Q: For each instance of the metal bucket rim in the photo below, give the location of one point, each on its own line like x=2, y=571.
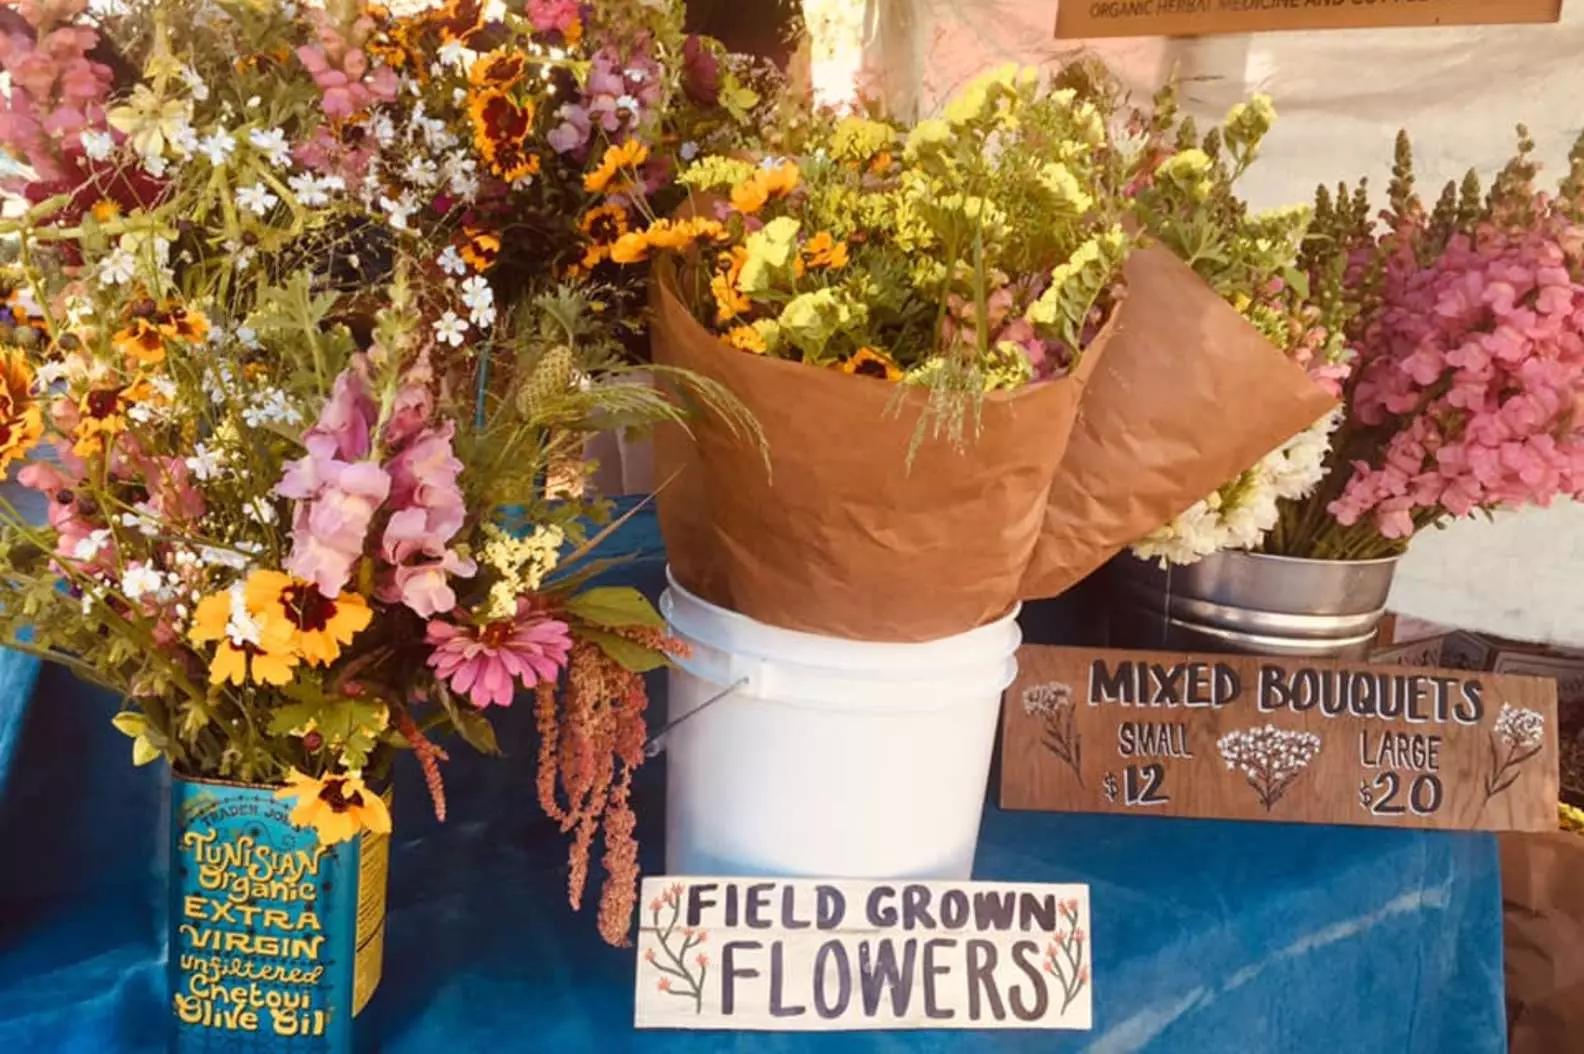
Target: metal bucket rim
x=1310, y=560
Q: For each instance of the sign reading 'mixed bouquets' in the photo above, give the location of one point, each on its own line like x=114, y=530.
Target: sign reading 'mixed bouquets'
x=1139, y=18
x=1299, y=740
x=806, y=955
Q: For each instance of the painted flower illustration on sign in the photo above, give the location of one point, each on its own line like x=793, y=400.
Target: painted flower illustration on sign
x=1517, y=737
x=1270, y=758
x=682, y=967
x=1053, y=703
x=1066, y=957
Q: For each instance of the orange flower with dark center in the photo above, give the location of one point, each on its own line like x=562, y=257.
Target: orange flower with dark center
x=481, y=249
x=182, y=324
x=141, y=341
x=631, y=248
x=501, y=129
x=500, y=70
x=458, y=20
x=764, y=186
x=729, y=300
x=868, y=362
x=823, y=250
x=320, y=626
x=102, y=412
x=603, y=227
x=21, y=421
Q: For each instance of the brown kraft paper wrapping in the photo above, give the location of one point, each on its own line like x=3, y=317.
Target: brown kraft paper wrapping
x=1188, y=396
x=1543, y=916
x=839, y=537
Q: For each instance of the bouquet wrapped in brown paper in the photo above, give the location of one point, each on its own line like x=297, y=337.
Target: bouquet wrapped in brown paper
x=1543, y=915
x=972, y=300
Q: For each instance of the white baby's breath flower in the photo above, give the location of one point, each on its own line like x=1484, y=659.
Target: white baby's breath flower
x=98, y=145
x=118, y=268
x=206, y=463
x=256, y=198
x=272, y=144
x=310, y=190
x=88, y=547
x=195, y=84
x=449, y=329
x=184, y=140
x=451, y=261
x=627, y=102
x=217, y=146
x=399, y=210
x=155, y=165
x=261, y=510
x=421, y=171
x=141, y=581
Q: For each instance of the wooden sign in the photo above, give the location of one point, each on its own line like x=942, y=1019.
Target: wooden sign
x=802, y=955
x=1146, y=18
x=1296, y=740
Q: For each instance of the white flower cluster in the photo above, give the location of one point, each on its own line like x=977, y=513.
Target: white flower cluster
x=265, y=404
x=1240, y=514
x=1520, y=728
x=1269, y=753
x=1044, y=699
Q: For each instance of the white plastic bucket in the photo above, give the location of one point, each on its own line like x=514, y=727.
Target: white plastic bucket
x=831, y=758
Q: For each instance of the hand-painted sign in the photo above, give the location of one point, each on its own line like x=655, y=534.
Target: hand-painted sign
x=1145, y=18
x=805, y=955
x=1306, y=741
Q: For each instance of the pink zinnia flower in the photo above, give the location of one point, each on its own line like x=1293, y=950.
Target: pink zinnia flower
x=483, y=662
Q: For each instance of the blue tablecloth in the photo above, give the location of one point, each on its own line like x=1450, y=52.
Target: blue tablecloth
x=1210, y=937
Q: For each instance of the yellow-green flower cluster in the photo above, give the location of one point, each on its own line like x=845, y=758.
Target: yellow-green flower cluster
x=520, y=564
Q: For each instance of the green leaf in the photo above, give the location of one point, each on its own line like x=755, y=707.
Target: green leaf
x=475, y=728
x=634, y=657
x=129, y=723
x=294, y=715
x=143, y=752
x=615, y=606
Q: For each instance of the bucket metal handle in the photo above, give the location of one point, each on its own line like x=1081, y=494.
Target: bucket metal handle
x=656, y=744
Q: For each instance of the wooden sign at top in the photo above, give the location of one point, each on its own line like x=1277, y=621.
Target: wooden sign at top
x=1295, y=740
x=1189, y=18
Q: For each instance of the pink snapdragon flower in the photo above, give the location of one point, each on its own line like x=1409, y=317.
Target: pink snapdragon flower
x=429, y=513
x=340, y=67
x=336, y=489
x=1474, y=368
x=486, y=662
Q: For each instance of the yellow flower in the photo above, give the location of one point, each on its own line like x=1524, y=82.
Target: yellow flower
x=1572, y=819
x=21, y=421
x=859, y=139
x=747, y=338
x=631, y=248
x=105, y=210
x=707, y=173
x=147, y=121
x=822, y=250
x=502, y=130
x=870, y=362
x=338, y=808
x=252, y=644
x=926, y=134
x=625, y=156
x=764, y=186
x=729, y=300
x=1063, y=186
x=320, y=625
x=142, y=342
x=770, y=249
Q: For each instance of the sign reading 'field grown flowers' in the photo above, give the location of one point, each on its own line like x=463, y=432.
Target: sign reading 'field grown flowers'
x=805, y=955
x=1293, y=740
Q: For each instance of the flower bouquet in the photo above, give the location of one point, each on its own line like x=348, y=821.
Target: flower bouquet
x=1469, y=328
x=934, y=300
x=308, y=423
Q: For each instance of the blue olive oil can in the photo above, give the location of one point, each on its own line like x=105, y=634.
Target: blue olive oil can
x=276, y=940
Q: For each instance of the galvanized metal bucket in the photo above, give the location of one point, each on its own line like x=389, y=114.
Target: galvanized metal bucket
x=1251, y=604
